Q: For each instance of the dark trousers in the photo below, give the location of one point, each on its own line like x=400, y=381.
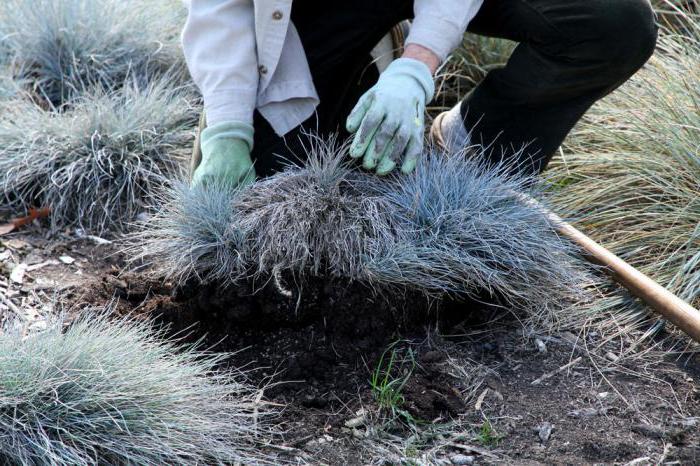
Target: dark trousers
x=570, y=54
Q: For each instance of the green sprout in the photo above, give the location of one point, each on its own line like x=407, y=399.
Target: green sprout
x=394, y=370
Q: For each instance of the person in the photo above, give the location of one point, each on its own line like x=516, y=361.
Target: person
x=272, y=71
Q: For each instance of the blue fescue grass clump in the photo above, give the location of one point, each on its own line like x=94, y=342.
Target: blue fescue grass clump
x=96, y=163
x=452, y=227
x=462, y=227
x=116, y=392
x=318, y=218
x=63, y=48
x=198, y=235
x=96, y=104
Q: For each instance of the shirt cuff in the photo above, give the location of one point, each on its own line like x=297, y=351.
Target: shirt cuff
x=436, y=34
x=230, y=105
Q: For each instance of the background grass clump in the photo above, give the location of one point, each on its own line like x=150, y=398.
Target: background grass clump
x=96, y=164
x=62, y=48
x=631, y=171
x=115, y=392
x=466, y=67
x=97, y=107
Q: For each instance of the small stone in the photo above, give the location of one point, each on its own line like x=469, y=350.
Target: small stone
x=541, y=347
x=17, y=274
x=544, y=431
x=66, y=259
x=462, y=459
x=356, y=422
x=587, y=412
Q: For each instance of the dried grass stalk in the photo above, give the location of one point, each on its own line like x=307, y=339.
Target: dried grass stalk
x=631, y=170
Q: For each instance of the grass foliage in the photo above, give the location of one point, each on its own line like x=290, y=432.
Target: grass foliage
x=64, y=48
x=95, y=107
x=451, y=227
x=115, y=392
x=96, y=163
x=631, y=171
x=461, y=229
x=393, y=436
x=390, y=376
x=488, y=436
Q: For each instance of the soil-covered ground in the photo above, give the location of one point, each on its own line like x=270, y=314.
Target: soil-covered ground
x=362, y=375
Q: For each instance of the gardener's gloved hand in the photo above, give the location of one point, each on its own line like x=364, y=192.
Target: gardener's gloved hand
x=389, y=118
x=226, y=155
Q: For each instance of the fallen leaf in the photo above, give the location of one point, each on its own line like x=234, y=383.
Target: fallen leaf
x=544, y=431
x=16, y=244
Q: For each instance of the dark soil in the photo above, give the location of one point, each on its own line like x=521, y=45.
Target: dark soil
x=316, y=350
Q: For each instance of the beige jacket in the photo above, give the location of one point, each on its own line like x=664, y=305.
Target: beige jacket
x=246, y=55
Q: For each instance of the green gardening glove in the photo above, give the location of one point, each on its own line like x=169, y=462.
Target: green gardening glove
x=389, y=118
x=226, y=155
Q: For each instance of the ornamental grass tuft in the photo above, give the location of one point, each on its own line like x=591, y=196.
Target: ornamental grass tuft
x=64, y=48
x=116, y=392
x=454, y=227
x=95, y=164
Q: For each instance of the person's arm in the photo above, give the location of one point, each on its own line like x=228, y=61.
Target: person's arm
x=422, y=54
x=219, y=45
x=220, y=49
x=439, y=26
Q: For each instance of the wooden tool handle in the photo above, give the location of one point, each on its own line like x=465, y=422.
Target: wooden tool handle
x=673, y=308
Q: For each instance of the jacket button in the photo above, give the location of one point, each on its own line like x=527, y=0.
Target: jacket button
x=277, y=15
x=262, y=69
